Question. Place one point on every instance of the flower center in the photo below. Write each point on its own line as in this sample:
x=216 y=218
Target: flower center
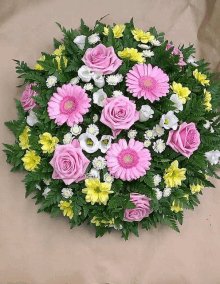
x=97 y=190
x=128 y=158
x=68 y=105
x=146 y=82
x=89 y=142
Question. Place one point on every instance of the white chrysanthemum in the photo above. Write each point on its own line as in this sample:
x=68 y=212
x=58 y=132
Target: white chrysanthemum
x=32 y=118
x=74 y=80
x=157 y=179
x=167 y=192
x=85 y=73
x=155 y=42
x=88 y=87
x=105 y=143
x=191 y=60
x=159 y=193
x=144 y=46
x=80 y=41
x=99 y=80
x=76 y=129
x=92 y=129
x=108 y=178
x=99 y=163
x=147 y=143
x=213 y=156
x=47 y=181
x=159 y=146
x=117 y=93
x=149 y=134
x=46 y=191
x=95 y=118
x=95 y=174
x=67 y=192
x=148 y=53
x=112 y=80
x=178 y=103
x=88 y=142
x=145 y=113
x=37 y=186
x=67 y=138
x=99 y=97
x=116 y=228
x=169 y=120
x=94 y=38
x=132 y=133
x=51 y=81
x=119 y=77
x=158 y=130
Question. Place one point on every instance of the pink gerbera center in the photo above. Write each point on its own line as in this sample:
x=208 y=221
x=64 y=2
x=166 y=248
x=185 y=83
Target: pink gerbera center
x=147 y=82
x=68 y=105
x=128 y=158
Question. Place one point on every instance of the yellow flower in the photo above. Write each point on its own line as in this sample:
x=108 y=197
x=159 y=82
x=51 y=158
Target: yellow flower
x=48 y=142
x=173 y=175
x=132 y=54
x=31 y=160
x=38 y=66
x=66 y=208
x=117 y=30
x=58 y=58
x=202 y=78
x=59 y=50
x=182 y=92
x=98 y=222
x=177 y=208
x=23 y=138
x=97 y=191
x=196 y=188
x=208 y=98
x=140 y=35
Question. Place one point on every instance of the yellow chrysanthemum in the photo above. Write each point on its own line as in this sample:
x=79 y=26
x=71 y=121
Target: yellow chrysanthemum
x=31 y=160
x=140 y=35
x=177 y=208
x=58 y=58
x=23 y=138
x=59 y=50
x=196 y=188
x=38 y=66
x=117 y=30
x=98 y=222
x=182 y=92
x=208 y=98
x=202 y=78
x=67 y=209
x=173 y=175
x=48 y=142
x=132 y=54
x=97 y=191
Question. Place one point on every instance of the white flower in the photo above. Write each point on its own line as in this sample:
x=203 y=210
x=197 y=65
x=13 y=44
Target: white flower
x=116 y=228
x=37 y=186
x=95 y=118
x=80 y=41
x=92 y=129
x=169 y=120
x=157 y=179
x=159 y=146
x=95 y=174
x=145 y=113
x=98 y=80
x=47 y=181
x=148 y=53
x=32 y=118
x=149 y=134
x=85 y=73
x=132 y=133
x=208 y=124
x=67 y=138
x=159 y=193
x=46 y=191
x=178 y=104
x=76 y=129
x=99 y=97
x=213 y=156
x=155 y=42
x=51 y=81
x=67 y=192
x=108 y=178
x=74 y=80
x=117 y=93
x=99 y=163
x=88 y=142
x=167 y=192
x=112 y=80
x=94 y=38
x=144 y=46
x=105 y=143
x=147 y=143
x=158 y=130
x=119 y=77
x=191 y=60
x=88 y=87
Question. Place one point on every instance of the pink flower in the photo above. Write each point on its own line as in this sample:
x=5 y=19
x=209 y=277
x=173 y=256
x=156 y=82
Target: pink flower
x=142 y=209
x=69 y=163
x=148 y=82
x=185 y=140
x=176 y=51
x=68 y=105
x=27 y=102
x=119 y=113
x=128 y=161
x=101 y=59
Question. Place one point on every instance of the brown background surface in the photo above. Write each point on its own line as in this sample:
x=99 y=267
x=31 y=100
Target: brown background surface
x=37 y=249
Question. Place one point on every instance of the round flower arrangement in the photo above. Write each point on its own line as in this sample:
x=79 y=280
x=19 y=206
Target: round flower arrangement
x=116 y=128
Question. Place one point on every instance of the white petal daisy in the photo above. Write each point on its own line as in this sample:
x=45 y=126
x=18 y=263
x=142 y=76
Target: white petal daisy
x=51 y=81
x=119 y=77
x=94 y=38
x=147 y=143
x=157 y=179
x=159 y=146
x=117 y=93
x=149 y=134
x=132 y=133
x=99 y=163
x=213 y=156
x=67 y=192
x=167 y=192
x=148 y=53
x=144 y=46
x=76 y=129
x=46 y=191
x=92 y=129
x=155 y=42
x=88 y=87
x=159 y=193
x=74 y=80
x=67 y=138
x=112 y=80
x=158 y=130
x=108 y=178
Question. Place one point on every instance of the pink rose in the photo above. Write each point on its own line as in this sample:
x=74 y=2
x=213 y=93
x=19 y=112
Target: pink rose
x=69 y=163
x=27 y=102
x=185 y=140
x=142 y=209
x=176 y=51
x=119 y=113
x=101 y=59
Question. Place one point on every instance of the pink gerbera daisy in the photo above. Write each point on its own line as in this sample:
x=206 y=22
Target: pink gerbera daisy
x=68 y=105
x=148 y=82
x=128 y=161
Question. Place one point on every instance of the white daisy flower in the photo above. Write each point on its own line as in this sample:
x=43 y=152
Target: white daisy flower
x=80 y=41
x=169 y=120
x=99 y=80
x=149 y=134
x=37 y=186
x=76 y=129
x=94 y=38
x=99 y=163
x=105 y=143
x=47 y=181
x=95 y=118
x=32 y=118
x=155 y=42
x=46 y=191
x=167 y=192
x=95 y=174
x=112 y=80
x=148 y=53
x=67 y=138
x=132 y=133
x=99 y=97
x=51 y=81
x=119 y=77
x=117 y=93
x=191 y=60
x=74 y=80
x=158 y=130
x=144 y=46
x=67 y=192
x=178 y=104
x=108 y=178
x=85 y=73
x=147 y=143
x=145 y=113
x=92 y=129
x=159 y=146
x=88 y=87
x=116 y=228
x=159 y=193
x=157 y=179
x=213 y=156
x=88 y=142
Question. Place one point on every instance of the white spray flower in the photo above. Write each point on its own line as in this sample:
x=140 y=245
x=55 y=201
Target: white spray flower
x=178 y=103
x=117 y=93
x=46 y=191
x=85 y=73
x=92 y=129
x=191 y=60
x=32 y=118
x=47 y=181
x=148 y=53
x=144 y=46
x=147 y=143
x=159 y=146
x=99 y=97
x=67 y=192
x=99 y=80
x=51 y=81
x=213 y=156
x=108 y=178
x=105 y=143
x=95 y=174
x=167 y=192
x=99 y=163
x=132 y=133
x=149 y=134
x=67 y=138
x=74 y=80
x=157 y=179
x=76 y=129
x=159 y=193
x=88 y=87
x=158 y=130
x=155 y=42
x=169 y=120
x=80 y=41
x=145 y=113
x=94 y=38
x=88 y=142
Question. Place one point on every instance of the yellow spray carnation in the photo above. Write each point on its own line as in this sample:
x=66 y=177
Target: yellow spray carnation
x=58 y=58
x=97 y=222
x=140 y=35
x=31 y=160
x=59 y=50
x=23 y=138
x=177 y=208
x=66 y=208
x=48 y=142
x=182 y=92
x=196 y=188
x=173 y=175
x=202 y=78
x=117 y=30
x=132 y=54
x=38 y=66
x=208 y=98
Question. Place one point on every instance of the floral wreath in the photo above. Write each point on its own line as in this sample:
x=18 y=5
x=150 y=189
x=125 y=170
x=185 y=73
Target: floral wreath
x=116 y=128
